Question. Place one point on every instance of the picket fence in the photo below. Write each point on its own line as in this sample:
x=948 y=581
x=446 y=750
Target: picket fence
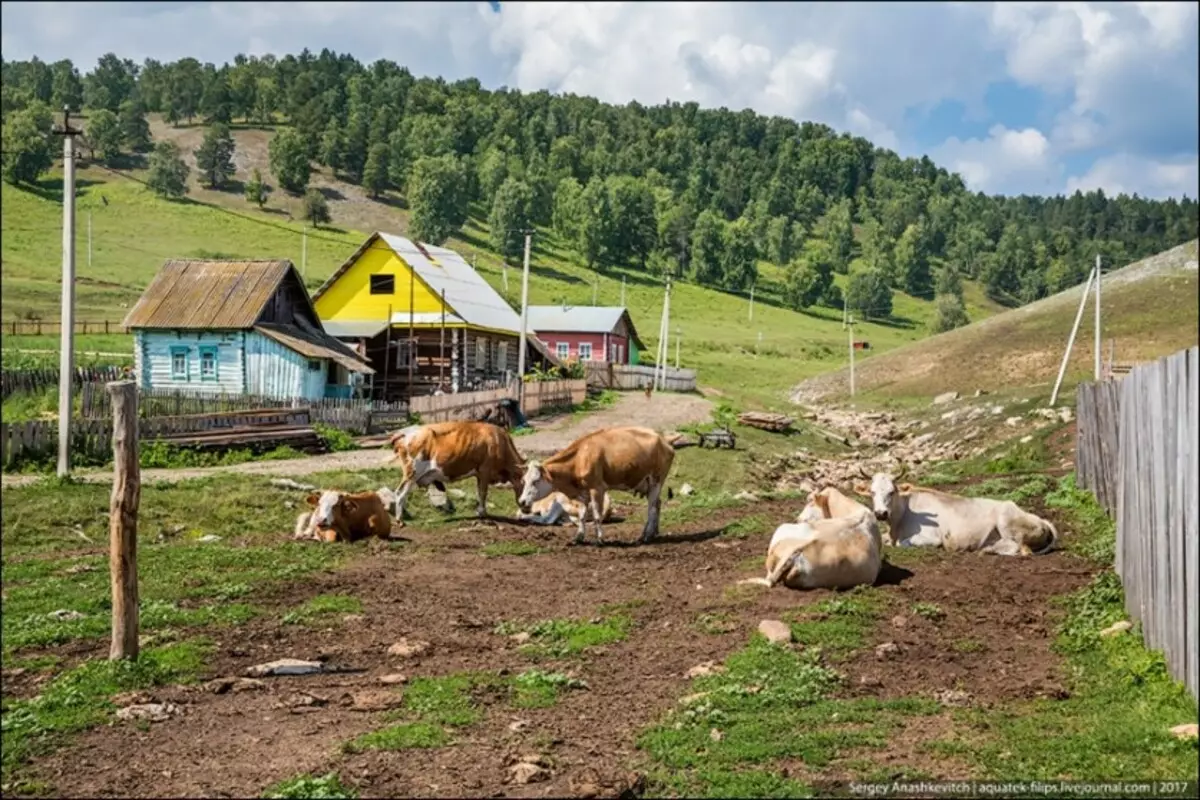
x=631 y=377
x=1136 y=452
x=38 y=380
x=540 y=396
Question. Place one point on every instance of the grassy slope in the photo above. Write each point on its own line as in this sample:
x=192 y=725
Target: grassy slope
x=134 y=232
x=1150 y=309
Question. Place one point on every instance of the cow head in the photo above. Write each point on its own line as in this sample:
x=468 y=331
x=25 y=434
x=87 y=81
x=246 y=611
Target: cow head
x=329 y=506
x=884 y=490
x=535 y=485
x=817 y=506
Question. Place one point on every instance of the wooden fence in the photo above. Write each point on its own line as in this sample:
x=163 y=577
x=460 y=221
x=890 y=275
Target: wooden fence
x=38 y=380
x=630 y=377
x=1136 y=451
x=540 y=396
x=34 y=327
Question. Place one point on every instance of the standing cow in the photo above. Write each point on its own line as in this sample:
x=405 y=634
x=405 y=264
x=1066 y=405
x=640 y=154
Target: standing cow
x=445 y=452
x=634 y=459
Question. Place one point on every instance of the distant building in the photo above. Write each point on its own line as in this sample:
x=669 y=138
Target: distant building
x=237 y=327
x=587 y=333
x=464 y=334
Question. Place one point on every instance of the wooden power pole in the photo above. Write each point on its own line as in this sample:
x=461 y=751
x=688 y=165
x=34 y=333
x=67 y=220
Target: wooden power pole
x=66 y=357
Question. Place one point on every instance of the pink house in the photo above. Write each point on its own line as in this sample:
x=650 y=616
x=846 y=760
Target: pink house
x=587 y=333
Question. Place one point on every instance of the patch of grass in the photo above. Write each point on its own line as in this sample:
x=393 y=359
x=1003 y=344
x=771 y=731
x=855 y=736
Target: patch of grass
x=606 y=399
x=324 y=787
x=498 y=549
x=430 y=706
x=746 y=526
x=335 y=439
x=404 y=736
x=321 y=607
x=537 y=689
x=1114 y=725
x=560 y=638
x=715 y=622
x=80 y=699
x=967 y=646
x=166 y=456
x=1094 y=532
x=840 y=624
x=771 y=703
x=930 y=611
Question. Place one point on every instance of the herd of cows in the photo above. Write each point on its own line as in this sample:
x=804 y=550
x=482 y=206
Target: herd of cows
x=835 y=542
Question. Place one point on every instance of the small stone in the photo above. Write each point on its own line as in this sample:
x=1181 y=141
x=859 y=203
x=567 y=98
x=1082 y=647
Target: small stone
x=945 y=397
x=1026 y=439
x=868 y=682
x=715 y=735
x=248 y=685
x=686 y=490
x=148 y=712
x=131 y=699
x=375 y=700
x=1117 y=627
x=393 y=679
x=78 y=568
x=285 y=666
x=887 y=650
x=899 y=621
x=775 y=631
x=1012 y=422
x=518 y=725
x=65 y=615
x=351 y=618
x=524 y=772
x=522 y=637
x=211 y=537
x=406 y=649
x=745 y=496
x=952 y=697
x=1186 y=731
x=707 y=668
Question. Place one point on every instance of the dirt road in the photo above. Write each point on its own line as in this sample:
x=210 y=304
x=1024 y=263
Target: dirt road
x=661 y=411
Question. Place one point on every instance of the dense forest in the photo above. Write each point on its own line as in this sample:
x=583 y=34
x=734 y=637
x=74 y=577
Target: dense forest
x=700 y=194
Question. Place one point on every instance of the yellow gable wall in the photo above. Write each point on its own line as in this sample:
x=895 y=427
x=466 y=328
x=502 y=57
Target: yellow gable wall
x=350 y=298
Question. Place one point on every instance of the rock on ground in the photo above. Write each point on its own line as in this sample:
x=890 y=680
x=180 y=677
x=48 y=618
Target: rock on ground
x=775 y=631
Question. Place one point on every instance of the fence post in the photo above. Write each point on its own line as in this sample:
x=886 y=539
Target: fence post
x=122 y=522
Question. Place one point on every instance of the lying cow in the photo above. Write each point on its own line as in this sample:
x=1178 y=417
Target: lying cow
x=834 y=545
x=553 y=507
x=445 y=452
x=929 y=518
x=343 y=517
x=633 y=459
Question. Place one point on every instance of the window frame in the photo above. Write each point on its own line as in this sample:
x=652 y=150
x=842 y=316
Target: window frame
x=185 y=374
x=562 y=350
x=588 y=357
x=210 y=350
x=502 y=357
x=391 y=290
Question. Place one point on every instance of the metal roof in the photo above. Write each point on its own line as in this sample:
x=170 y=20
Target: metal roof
x=468 y=295
x=192 y=294
x=354 y=328
x=579 y=319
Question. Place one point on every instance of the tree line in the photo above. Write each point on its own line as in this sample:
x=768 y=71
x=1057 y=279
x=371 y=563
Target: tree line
x=700 y=194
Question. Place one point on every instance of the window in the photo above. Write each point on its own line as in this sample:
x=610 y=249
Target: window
x=620 y=354
x=481 y=353
x=403 y=354
x=502 y=357
x=179 y=363
x=208 y=363
x=383 y=284
x=314 y=366
x=585 y=351
x=563 y=349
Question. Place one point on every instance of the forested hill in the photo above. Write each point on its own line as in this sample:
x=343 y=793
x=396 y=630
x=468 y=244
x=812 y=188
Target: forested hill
x=703 y=194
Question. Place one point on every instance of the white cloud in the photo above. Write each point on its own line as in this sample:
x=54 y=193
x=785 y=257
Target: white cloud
x=1121 y=78
x=1007 y=161
x=1128 y=174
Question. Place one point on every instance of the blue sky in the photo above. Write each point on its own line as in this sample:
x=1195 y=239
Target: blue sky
x=1016 y=97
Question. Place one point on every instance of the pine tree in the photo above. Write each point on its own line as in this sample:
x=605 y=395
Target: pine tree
x=214 y=157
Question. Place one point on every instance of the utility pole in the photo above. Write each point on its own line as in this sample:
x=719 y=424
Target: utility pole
x=66 y=357
x=1098 y=274
x=677 y=348
x=1062 y=369
x=666 y=337
x=660 y=354
x=304 y=256
x=752 y=303
x=89 y=240
x=524 y=322
x=850 y=328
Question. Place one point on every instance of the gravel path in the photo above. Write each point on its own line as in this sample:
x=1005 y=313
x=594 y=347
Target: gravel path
x=661 y=411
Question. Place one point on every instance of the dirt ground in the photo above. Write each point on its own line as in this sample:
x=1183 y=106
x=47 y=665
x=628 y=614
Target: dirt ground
x=661 y=411
x=440 y=588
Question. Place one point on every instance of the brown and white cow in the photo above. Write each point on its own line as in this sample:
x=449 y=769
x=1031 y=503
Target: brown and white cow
x=629 y=458
x=834 y=545
x=553 y=507
x=344 y=517
x=930 y=518
x=445 y=452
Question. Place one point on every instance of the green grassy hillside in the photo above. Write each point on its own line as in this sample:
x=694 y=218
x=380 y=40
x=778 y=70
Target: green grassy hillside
x=1149 y=309
x=133 y=232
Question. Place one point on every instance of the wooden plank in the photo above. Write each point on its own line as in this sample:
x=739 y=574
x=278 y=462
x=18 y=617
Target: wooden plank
x=1191 y=526
x=1177 y=471
x=123 y=519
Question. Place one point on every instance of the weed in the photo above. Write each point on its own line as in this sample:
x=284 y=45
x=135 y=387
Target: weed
x=741 y=528
x=79 y=699
x=335 y=439
x=321 y=607
x=404 y=736
x=559 y=638
x=167 y=456
x=968 y=646
x=839 y=624
x=714 y=623
x=537 y=689
x=497 y=549
x=1096 y=533
x=930 y=611
x=430 y=705
x=324 y=787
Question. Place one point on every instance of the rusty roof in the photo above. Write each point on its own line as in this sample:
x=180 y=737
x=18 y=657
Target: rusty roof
x=193 y=294
x=315 y=344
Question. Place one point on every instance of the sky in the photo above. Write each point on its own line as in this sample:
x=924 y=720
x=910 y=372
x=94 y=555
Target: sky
x=1037 y=98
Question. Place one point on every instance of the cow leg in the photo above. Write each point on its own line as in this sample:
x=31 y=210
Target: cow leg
x=481 y=489
x=596 y=503
x=304 y=527
x=583 y=499
x=402 y=493
x=654 y=505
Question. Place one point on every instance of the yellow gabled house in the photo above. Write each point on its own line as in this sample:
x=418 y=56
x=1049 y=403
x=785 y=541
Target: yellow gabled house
x=412 y=308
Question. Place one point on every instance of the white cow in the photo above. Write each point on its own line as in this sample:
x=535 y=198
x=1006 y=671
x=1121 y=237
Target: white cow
x=553 y=507
x=929 y=518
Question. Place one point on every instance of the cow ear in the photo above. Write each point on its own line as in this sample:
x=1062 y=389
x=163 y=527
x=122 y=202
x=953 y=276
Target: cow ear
x=905 y=487
x=349 y=506
x=312 y=499
x=862 y=488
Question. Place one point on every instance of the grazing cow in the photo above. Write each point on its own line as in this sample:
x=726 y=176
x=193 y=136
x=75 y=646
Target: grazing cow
x=633 y=459
x=929 y=518
x=445 y=452
x=834 y=545
x=551 y=509
x=343 y=517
